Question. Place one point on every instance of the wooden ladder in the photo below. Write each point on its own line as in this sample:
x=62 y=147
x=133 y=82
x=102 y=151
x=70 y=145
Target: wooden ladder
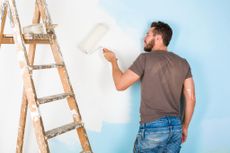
x=26 y=59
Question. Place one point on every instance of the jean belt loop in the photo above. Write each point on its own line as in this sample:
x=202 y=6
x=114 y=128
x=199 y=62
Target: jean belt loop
x=169 y=120
x=142 y=126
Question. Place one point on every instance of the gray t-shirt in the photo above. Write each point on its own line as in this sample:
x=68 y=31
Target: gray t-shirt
x=162 y=75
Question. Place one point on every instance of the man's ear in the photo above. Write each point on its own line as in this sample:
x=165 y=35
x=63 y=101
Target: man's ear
x=158 y=37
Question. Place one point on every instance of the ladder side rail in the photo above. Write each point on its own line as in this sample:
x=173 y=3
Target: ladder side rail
x=24 y=106
x=27 y=79
x=64 y=75
x=3 y=12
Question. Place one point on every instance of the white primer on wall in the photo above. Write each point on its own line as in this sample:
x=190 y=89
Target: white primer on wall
x=90 y=75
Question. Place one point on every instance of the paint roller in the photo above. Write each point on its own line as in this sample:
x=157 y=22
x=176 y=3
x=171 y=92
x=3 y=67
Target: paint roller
x=89 y=44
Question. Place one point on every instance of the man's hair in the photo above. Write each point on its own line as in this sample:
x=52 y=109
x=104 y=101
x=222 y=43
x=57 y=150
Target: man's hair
x=164 y=30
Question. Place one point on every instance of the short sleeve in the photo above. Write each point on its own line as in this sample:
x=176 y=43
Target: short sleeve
x=138 y=65
x=188 y=71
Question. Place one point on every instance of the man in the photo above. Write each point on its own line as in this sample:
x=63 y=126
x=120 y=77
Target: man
x=165 y=77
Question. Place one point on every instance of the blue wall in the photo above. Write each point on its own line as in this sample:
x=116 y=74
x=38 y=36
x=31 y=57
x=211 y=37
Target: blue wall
x=202 y=35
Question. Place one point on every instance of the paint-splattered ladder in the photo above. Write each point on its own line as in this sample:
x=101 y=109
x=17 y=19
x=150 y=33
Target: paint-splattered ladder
x=26 y=60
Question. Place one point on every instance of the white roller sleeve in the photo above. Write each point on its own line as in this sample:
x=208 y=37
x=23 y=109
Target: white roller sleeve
x=89 y=43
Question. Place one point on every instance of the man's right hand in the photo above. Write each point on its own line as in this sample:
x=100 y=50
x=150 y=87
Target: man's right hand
x=109 y=55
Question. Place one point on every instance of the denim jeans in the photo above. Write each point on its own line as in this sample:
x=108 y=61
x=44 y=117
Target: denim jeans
x=160 y=136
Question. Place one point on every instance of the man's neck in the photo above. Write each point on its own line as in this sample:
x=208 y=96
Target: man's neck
x=160 y=48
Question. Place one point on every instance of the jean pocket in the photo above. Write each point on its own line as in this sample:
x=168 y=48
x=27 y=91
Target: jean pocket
x=154 y=139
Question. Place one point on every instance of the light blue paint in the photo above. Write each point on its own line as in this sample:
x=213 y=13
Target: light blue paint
x=202 y=35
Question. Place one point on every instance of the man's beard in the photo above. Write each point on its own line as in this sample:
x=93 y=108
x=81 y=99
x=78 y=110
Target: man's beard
x=149 y=46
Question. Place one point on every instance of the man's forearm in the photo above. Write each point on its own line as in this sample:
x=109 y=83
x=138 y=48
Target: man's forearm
x=117 y=74
x=190 y=100
x=189 y=109
x=121 y=80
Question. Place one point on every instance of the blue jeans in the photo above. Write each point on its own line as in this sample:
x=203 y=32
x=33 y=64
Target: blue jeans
x=160 y=136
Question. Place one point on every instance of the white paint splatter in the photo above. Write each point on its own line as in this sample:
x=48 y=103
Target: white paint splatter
x=74 y=113
x=35 y=115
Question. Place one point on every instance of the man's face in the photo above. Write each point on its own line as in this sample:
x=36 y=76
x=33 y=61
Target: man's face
x=149 y=40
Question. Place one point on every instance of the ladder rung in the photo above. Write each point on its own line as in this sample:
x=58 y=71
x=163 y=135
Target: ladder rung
x=28 y=38
x=63 y=129
x=53 y=98
x=38 y=67
x=31 y=36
